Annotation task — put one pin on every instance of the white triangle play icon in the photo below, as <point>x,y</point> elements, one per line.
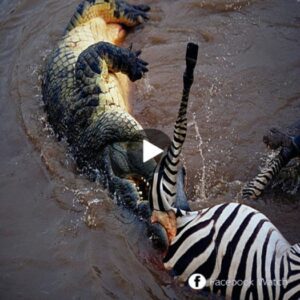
<point>150,151</point>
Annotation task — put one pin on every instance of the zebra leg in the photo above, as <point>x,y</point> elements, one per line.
<point>255,187</point>
<point>112,11</point>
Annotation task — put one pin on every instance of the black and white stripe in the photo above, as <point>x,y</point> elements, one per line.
<point>256,186</point>
<point>238,250</point>
<point>164,185</point>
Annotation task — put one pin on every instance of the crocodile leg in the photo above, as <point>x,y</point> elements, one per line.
<point>91,62</point>
<point>121,189</point>
<point>90,121</point>
<point>112,11</point>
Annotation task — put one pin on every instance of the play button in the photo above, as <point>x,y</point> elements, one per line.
<point>144,153</point>
<point>154,144</point>
<point>150,151</point>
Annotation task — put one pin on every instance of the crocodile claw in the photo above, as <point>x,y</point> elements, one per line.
<point>138,16</point>
<point>138,53</point>
<point>135,14</point>
<point>137,66</point>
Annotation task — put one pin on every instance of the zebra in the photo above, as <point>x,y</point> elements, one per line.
<point>290,149</point>
<point>237,249</point>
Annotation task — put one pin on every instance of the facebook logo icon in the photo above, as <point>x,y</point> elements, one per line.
<point>197,281</point>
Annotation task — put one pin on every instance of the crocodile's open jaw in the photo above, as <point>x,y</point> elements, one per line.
<point>142,186</point>
<point>127,162</point>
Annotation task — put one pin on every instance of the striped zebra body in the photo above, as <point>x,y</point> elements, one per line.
<point>238,250</point>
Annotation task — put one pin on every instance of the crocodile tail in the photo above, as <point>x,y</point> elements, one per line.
<point>164,186</point>
<point>112,11</point>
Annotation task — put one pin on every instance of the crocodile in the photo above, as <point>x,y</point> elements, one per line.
<point>85,89</point>
<point>284,169</point>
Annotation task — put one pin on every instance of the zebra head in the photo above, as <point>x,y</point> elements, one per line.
<point>167,185</point>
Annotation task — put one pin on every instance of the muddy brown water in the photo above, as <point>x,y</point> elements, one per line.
<point>246,81</point>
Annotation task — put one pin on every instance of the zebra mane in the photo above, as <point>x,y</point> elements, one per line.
<point>164,185</point>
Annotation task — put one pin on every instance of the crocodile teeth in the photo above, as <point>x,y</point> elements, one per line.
<point>140,19</point>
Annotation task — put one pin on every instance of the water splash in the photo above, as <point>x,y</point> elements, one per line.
<point>201,188</point>
<point>147,86</point>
